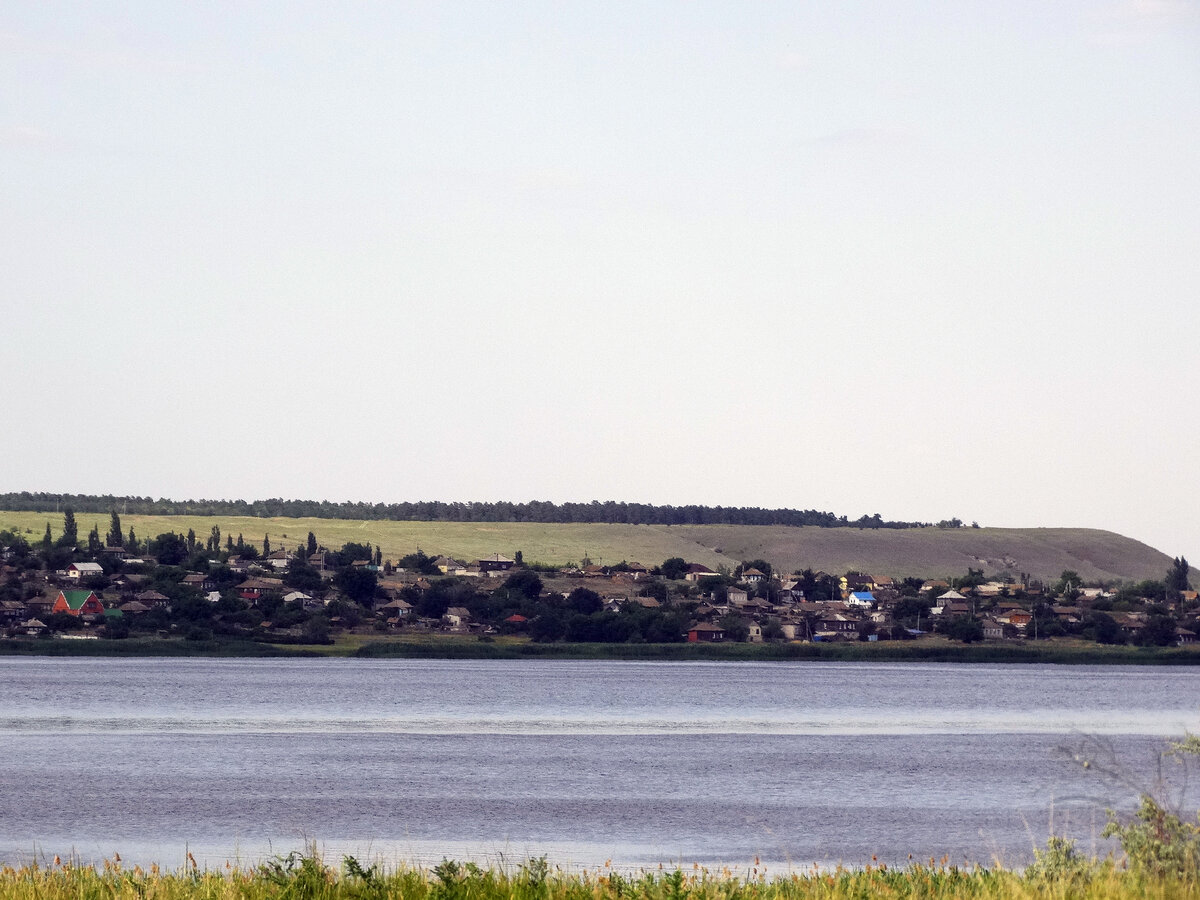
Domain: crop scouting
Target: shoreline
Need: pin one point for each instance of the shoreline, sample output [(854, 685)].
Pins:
[(472, 648)]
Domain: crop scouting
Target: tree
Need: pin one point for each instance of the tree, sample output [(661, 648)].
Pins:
[(131, 543), (168, 548), (311, 547), (358, 583), (94, 540), (524, 582), (47, 540), (191, 540), (518, 558), (70, 534), (585, 601), (1177, 577), (1159, 631), (967, 629), (115, 537), (674, 568), (266, 545)]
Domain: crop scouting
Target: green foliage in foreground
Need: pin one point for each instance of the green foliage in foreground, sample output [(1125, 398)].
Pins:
[(308, 876)]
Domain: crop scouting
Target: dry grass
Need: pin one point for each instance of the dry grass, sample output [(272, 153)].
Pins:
[(927, 552), (310, 877)]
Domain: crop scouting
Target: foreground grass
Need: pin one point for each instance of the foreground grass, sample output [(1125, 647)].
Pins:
[(309, 877)]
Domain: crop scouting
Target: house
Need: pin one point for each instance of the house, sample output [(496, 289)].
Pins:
[(252, 589), (495, 563), (193, 579), (737, 597), (279, 559), (133, 608), (305, 600), (80, 570), (753, 576), (449, 566), (153, 599), (755, 633), (993, 630), (33, 627), (837, 625), (696, 572), (398, 609), (705, 633), (857, 581), (78, 603), (1018, 618), (861, 598), (456, 617), (12, 611)]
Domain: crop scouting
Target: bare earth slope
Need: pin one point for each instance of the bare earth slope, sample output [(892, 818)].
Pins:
[(928, 552)]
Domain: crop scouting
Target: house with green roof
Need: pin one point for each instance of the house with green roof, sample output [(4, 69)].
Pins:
[(78, 603)]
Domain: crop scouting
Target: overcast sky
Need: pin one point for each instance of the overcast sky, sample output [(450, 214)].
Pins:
[(920, 259)]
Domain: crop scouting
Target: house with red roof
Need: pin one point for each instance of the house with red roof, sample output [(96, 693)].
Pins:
[(78, 603)]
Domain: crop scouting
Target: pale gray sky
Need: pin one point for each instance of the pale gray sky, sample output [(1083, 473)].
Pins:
[(920, 259)]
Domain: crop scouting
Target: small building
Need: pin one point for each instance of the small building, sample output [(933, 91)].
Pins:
[(496, 563), (705, 633), (456, 616), (80, 570)]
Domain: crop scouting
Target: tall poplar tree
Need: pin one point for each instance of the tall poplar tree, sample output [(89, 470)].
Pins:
[(115, 538), (70, 535)]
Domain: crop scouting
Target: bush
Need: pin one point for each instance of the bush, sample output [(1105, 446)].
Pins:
[(1155, 839)]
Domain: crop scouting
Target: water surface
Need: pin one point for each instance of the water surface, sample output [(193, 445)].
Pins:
[(638, 762)]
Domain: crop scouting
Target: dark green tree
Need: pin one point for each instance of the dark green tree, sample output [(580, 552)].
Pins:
[(115, 537), (358, 583), (94, 540), (191, 540), (47, 540), (674, 568), (311, 548), (585, 601), (266, 545), (131, 543), (1159, 631), (214, 539), (70, 534), (1177, 577), (524, 582), (168, 548)]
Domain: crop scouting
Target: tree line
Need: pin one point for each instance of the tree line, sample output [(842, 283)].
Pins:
[(545, 511)]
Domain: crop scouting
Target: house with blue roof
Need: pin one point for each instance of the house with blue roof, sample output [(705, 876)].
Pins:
[(861, 598)]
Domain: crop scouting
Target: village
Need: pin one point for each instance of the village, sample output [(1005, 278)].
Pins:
[(176, 585)]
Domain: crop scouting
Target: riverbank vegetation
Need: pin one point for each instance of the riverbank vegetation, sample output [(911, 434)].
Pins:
[(1058, 873)]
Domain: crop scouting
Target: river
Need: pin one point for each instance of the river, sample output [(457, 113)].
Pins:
[(640, 763)]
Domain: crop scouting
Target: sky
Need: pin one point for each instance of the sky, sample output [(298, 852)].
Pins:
[(918, 259)]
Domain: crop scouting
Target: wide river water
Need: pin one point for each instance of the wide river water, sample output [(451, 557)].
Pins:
[(636, 762)]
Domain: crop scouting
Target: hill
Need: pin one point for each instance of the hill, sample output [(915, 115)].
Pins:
[(930, 552)]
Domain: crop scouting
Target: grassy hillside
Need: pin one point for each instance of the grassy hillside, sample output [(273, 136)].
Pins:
[(1095, 555)]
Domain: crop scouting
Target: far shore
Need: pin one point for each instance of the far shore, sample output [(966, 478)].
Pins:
[(1063, 652)]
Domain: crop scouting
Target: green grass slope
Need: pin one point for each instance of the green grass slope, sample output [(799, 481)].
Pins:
[(930, 552)]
